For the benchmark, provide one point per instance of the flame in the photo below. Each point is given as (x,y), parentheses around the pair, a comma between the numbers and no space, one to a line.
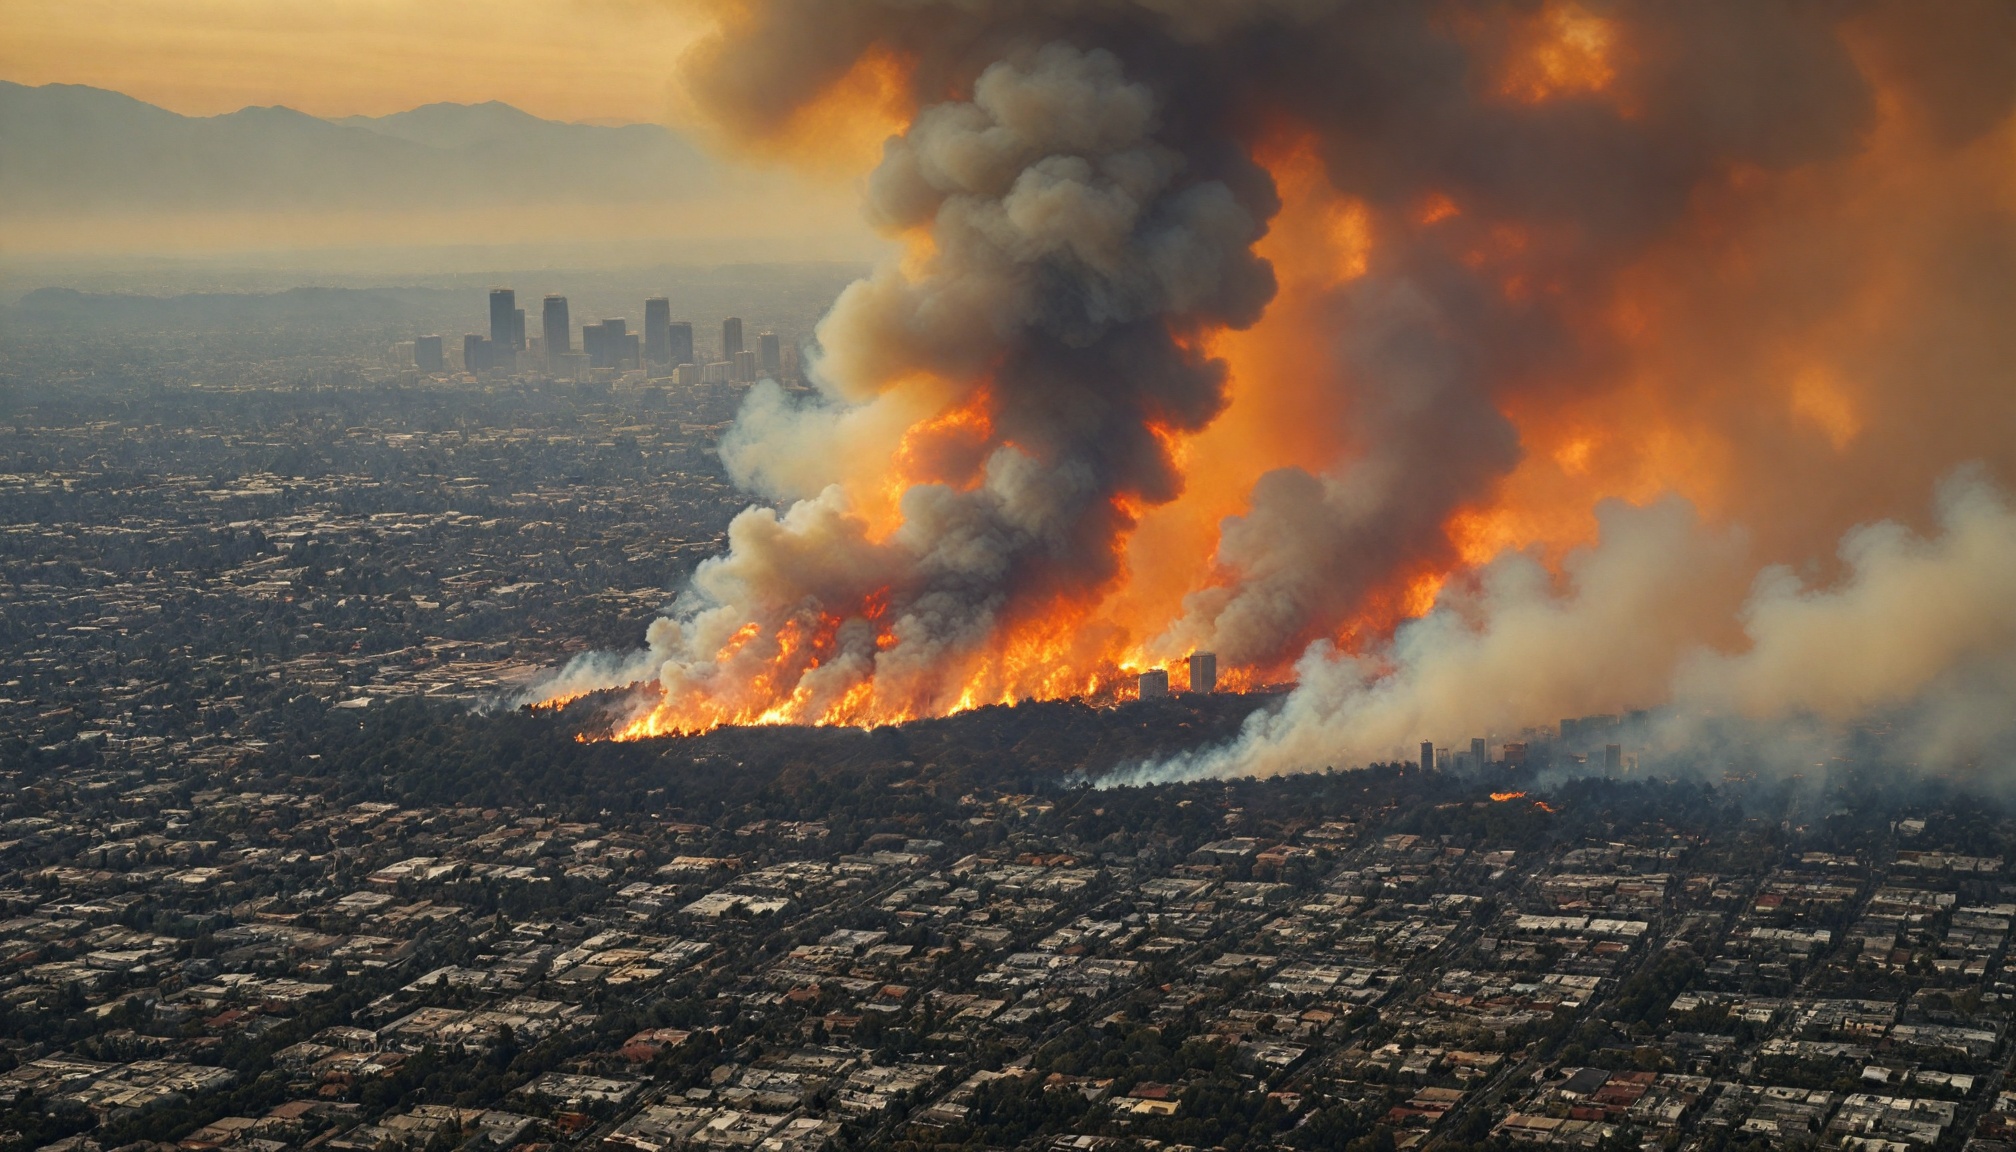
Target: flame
(1055,654)
(1543,806)
(1502,797)
(556,702)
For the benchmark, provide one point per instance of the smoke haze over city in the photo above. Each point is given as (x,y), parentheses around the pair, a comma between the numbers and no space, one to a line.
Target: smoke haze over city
(1007,575)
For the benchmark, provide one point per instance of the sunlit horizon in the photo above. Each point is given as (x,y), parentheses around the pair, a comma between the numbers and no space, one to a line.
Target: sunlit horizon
(589,61)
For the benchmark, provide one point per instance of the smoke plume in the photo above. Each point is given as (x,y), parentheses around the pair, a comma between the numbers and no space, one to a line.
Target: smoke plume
(1919,632)
(1380,344)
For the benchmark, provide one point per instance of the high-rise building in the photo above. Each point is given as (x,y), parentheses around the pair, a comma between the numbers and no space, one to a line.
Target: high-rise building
(503,318)
(556,328)
(1153,683)
(769,356)
(518,329)
(680,338)
(427,354)
(1203,672)
(686,375)
(745,366)
(1613,757)
(608,345)
(1428,755)
(1479,753)
(658,330)
(731,338)
(719,372)
(475,353)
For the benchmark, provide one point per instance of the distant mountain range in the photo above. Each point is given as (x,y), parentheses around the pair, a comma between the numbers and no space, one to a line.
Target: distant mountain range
(68,149)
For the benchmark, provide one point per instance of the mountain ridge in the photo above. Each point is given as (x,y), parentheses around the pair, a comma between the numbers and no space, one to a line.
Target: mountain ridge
(68,149)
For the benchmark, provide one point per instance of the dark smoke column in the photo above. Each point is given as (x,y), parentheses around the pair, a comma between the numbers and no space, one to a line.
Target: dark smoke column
(1081,235)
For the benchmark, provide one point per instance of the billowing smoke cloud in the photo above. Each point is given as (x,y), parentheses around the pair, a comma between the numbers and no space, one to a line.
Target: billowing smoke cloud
(1072,249)
(1565,260)
(1918,632)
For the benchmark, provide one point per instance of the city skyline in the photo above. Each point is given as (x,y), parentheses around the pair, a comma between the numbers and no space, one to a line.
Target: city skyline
(665,349)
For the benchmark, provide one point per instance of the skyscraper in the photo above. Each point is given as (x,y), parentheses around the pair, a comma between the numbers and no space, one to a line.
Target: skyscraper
(1480,754)
(1427,755)
(769,356)
(427,354)
(556,328)
(475,353)
(745,367)
(681,337)
(658,330)
(610,344)
(1203,672)
(503,318)
(1153,683)
(731,338)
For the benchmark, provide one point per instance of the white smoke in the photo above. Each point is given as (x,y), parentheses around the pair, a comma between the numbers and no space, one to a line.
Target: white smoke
(1919,632)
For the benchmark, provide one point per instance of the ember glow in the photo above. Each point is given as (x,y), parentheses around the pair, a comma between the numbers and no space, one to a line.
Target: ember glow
(1265,327)
(1502,797)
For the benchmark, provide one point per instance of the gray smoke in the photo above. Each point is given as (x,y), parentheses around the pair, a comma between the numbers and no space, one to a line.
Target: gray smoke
(1918,634)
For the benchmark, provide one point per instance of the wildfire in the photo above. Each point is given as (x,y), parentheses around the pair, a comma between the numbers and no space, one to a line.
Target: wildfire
(1046,659)
(1555,272)
(555,703)
(1502,797)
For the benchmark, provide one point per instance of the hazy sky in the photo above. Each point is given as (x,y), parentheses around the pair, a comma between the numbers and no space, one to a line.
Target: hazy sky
(562,59)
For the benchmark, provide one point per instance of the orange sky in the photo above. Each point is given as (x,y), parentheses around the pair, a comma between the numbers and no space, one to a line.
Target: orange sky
(562,59)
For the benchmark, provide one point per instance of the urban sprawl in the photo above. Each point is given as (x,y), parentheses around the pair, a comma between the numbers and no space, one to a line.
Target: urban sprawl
(281,868)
